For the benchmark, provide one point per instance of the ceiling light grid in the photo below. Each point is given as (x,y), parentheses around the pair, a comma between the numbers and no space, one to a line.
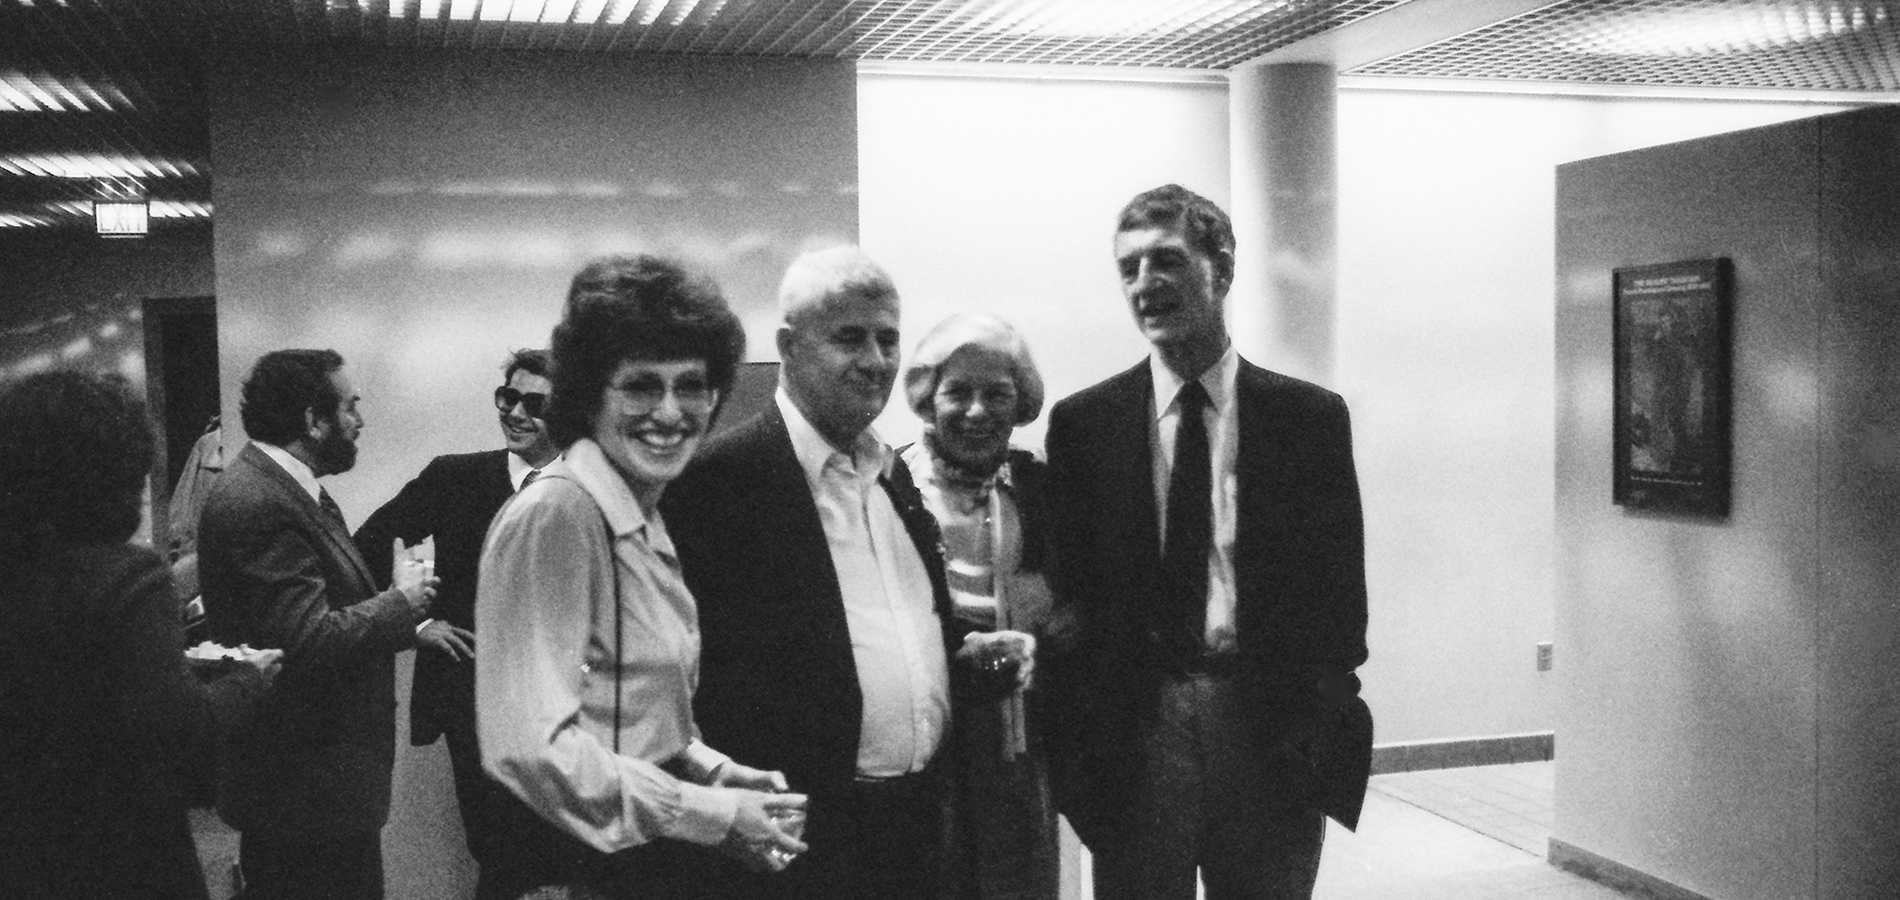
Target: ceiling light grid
(1846,45)
(730,24)
(25,220)
(824,29)
(94,166)
(154,99)
(1170,33)
(42,92)
(1184,34)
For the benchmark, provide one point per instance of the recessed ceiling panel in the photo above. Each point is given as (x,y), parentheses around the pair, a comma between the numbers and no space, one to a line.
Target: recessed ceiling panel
(1808,45)
(88,87)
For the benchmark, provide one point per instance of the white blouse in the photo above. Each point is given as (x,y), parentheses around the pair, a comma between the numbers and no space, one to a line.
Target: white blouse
(588,660)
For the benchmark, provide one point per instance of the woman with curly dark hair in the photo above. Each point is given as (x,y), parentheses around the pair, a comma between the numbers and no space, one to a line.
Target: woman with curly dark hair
(105,735)
(590,640)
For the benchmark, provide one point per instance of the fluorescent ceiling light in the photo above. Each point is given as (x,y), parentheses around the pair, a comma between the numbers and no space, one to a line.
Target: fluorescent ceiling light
(589,12)
(686,9)
(16,220)
(179,209)
(1689,31)
(93,165)
(1103,19)
(39,92)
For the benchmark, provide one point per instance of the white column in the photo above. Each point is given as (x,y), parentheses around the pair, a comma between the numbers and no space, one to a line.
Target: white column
(1284,205)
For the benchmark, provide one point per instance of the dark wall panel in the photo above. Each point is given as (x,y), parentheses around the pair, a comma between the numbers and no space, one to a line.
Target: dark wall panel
(1859,801)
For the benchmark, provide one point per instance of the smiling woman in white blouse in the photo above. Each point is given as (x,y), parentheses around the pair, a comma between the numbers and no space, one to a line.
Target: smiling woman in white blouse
(590,640)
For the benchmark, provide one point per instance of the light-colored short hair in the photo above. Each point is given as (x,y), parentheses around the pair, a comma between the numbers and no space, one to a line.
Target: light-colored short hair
(817,277)
(969,330)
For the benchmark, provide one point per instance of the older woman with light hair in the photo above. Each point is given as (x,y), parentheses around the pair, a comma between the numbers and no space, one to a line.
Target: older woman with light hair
(972,381)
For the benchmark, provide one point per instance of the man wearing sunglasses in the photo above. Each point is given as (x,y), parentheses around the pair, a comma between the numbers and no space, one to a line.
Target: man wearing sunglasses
(453,500)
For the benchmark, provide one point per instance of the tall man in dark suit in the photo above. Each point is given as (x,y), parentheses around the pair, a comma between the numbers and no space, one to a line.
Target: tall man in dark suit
(453,500)
(822,606)
(309,776)
(1207,538)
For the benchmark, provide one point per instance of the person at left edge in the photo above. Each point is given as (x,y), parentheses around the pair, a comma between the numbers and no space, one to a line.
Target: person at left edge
(309,776)
(452,500)
(106,732)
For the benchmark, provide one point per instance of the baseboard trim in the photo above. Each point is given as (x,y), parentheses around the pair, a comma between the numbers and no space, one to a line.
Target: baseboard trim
(1413,756)
(1578,861)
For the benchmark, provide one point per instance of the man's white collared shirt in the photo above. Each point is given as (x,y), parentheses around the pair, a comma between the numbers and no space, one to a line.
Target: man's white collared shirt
(518,469)
(305,478)
(1223,444)
(896,637)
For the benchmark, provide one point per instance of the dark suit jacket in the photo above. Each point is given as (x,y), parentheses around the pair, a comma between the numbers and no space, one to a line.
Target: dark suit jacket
(315,757)
(778,685)
(454,499)
(105,736)
(1299,560)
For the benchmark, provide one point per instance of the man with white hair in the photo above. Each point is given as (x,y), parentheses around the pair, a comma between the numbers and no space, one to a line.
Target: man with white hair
(822,603)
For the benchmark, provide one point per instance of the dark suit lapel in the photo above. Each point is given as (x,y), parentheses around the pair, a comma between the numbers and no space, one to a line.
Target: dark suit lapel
(1262,427)
(922,526)
(786,496)
(494,483)
(1127,466)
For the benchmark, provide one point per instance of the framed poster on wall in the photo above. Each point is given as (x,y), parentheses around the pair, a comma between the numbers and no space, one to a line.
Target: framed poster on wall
(1672,437)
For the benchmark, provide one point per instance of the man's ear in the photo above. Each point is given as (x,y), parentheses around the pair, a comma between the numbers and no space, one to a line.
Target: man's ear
(1223,271)
(783,339)
(312,424)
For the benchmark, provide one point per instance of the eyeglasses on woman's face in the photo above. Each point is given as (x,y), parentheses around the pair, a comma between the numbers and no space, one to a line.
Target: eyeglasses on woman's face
(641,391)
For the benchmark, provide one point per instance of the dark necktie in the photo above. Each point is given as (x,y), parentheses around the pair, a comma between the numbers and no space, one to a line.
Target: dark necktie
(528,479)
(331,509)
(1190,528)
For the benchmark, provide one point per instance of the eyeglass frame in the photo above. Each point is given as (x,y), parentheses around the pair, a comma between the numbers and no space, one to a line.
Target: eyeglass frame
(634,406)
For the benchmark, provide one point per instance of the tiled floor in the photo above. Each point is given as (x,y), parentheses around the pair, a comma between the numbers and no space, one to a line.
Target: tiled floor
(1452,834)
(1511,803)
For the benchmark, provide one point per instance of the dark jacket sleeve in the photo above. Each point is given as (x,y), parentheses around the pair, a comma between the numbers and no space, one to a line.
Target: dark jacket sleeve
(273,564)
(412,515)
(183,717)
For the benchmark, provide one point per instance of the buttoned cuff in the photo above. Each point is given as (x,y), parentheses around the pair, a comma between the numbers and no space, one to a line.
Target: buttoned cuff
(706,814)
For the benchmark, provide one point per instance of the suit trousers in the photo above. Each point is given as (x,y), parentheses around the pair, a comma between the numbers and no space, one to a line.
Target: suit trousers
(341,867)
(881,840)
(479,796)
(1217,796)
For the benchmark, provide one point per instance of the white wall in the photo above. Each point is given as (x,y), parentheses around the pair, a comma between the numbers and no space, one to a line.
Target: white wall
(1446,248)
(999,195)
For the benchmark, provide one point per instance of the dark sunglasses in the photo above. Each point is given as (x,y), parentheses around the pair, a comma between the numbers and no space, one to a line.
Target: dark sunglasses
(532,404)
